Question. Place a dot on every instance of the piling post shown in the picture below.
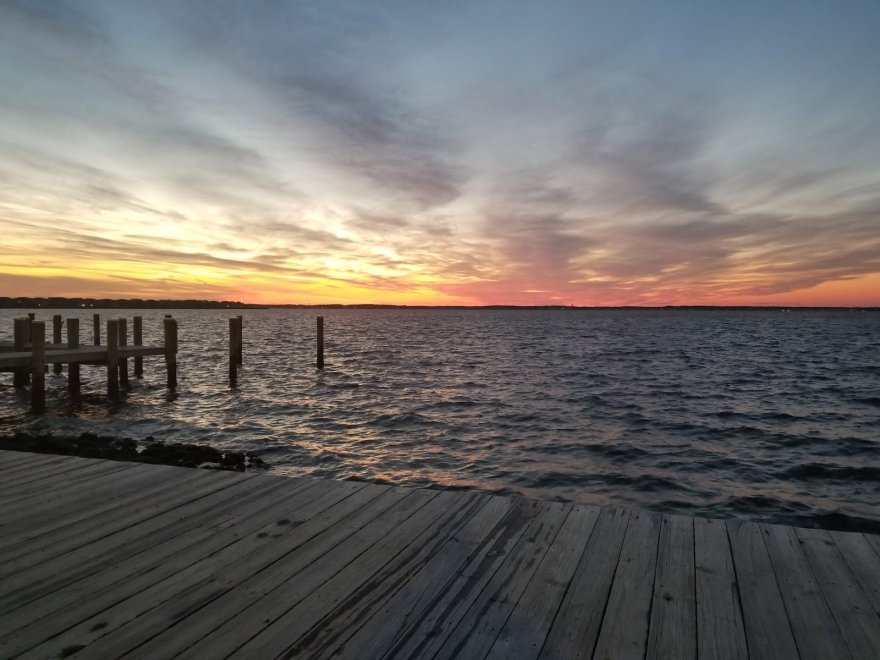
(38, 366)
(113, 359)
(96, 329)
(239, 355)
(73, 367)
(27, 327)
(20, 377)
(123, 361)
(170, 328)
(56, 339)
(138, 331)
(320, 342)
(234, 338)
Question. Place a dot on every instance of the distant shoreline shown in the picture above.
(138, 303)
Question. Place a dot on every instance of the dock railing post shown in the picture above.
(27, 327)
(320, 361)
(123, 361)
(21, 376)
(73, 367)
(170, 328)
(113, 360)
(96, 329)
(38, 366)
(138, 331)
(234, 338)
(56, 339)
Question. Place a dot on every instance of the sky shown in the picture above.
(493, 152)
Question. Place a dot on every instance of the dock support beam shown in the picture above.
(170, 328)
(113, 360)
(73, 367)
(96, 329)
(123, 362)
(138, 331)
(56, 339)
(234, 348)
(38, 366)
(20, 377)
(320, 361)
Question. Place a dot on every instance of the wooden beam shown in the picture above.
(320, 360)
(73, 381)
(170, 328)
(123, 361)
(56, 339)
(38, 366)
(138, 341)
(113, 360)
(21, 378)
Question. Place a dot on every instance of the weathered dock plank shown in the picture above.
(103, 560)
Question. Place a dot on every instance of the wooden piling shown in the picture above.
(170, 328)
(113, 360)
(38, 366)
(320, 342)
(73, 367)
(56, 339)
(27, 327)
(234, 339)
(20, 377)
(239, 356)
(123, 361)
(138, 331)
(96, 329)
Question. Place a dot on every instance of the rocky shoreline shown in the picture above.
(149, 450)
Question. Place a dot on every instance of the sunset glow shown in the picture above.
(586, 154)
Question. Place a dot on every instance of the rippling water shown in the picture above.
(768, 415)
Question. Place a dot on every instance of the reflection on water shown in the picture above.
(764, 414)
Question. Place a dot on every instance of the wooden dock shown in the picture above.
(104, 559)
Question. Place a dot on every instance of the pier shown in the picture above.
(29, 354)
(102, 559)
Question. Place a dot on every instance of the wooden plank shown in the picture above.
(236, 570)
(768, 632)
(19, 474)
(425, 635)
(130, 492)
(477, 631)
(576, 627)
(363, 581)
(415, 576)
(144, 485)
(411, 516)
(55, 613)
(46, 499)
(29, 576)
(10, 459)
(720, 631)
(241, 612)
(816, 633)
(36, 499)
(32, 478)
(526, 628)
(673, 628)
(858, 622)
(863, 562)
(207, 598)
(373, 633)
(624, 630)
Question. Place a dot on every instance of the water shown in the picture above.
(773, 416)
